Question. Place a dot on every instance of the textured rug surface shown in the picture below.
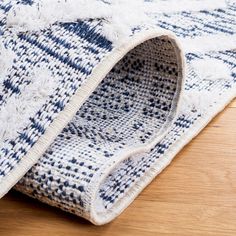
(97, 97)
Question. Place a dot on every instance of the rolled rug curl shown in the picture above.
(109, 103)
(137, 92)
(88, 102)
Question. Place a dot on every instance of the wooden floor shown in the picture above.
(195, 195)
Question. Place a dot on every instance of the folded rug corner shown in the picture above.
(94, 104)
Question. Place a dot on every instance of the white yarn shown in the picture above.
(120, 16)
(15, 114)
(205, 69)
(163, 6)
(211, 69)
(125, 15)
(6, 59)
(2, 14)
(46, 12)
(196, 101)
(217, 42)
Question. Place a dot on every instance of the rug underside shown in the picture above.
(92, 111)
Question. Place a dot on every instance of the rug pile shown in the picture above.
(97, 97)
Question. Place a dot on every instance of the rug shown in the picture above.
(98, 96)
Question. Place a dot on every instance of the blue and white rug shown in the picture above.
(98, 96)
